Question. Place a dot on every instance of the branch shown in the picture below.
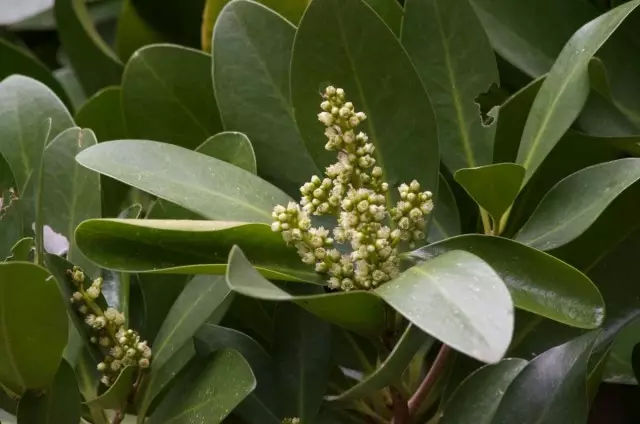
(429, 380)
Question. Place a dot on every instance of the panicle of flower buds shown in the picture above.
(121, 347)
(354, 190)
(291, 421)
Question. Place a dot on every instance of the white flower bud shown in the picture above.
(83, 309)
(276, 227)
(104, 341)
(90, 320)
(321, 267)
(99, 323)
(325, 105)
(363, 205)
(361, 116)
(102, 366)
(110, 314)
(120, 319)
(326, 118)
(93, 292)
(340, 92)
(115, 365)
(354, 121)
(414, 186)
(143, 363)
(330, 91)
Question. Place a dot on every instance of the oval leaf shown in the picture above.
(231, 147)
(202, 184)
(103, 114)
(446, 217)
(458, 299)
(575, 203)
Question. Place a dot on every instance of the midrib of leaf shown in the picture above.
(7, 342)
(74, 198)
(464, 134)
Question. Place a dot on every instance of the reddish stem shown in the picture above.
(429, 380)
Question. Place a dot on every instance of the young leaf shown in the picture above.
(565, 89)
(575, 203)
(493, 187)
(251, 55)
(208, 186)
(116, 395)
(59, 403)
(95, 64)
(538, 282)
(188, 247)
(133, 32)
(210, 388)
(446, 217)
(159, 103)
(359, 311)
(30, 362)
(301, 353)
(231, 147)
(22, 250)
(453, 56)
(346, 44)
(458, 299)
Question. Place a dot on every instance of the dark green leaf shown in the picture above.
(453, 56)
(187, 247)
(493, 187)
(11, 222)
(391, 369)
(159, 103)
(133, 32)
(446, 218)
(103, 114)
(565, 89)
(93, 61)
(301, 354)
(231, 147)
(538, 282)
(209, 389)
(59, 403)
(22, 251)
(178, 21)
(360, 311)
(344, 43)
(208, 186)
(30, 362)
(251, 56)
(390, 12)
(477, 398)
(458, 299)
(635, 359)
(116, 395)
(24, 106)
(576, 202)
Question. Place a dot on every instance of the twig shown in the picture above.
(117, 419)
(400, 407)
(427, 384)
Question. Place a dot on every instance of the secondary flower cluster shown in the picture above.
(355, 191)
(122, 346)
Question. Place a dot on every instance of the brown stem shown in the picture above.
(429, 380)
(117, 419)
(400, 407)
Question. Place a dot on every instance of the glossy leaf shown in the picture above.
(576, 202)
(25, 104)
(22, 250)
(361, 55)
(231, 147)
(453, 56)
(538, 282)
(187, 247)
(251, 55)
(302, 345)
(390, 11)
(208, 186)
(479, 395)
(458, 299)
(209, 388)
(360, 311)
(446, 217)
(493, 187)
(116, 395)
(565, 89)
(30, 362)
(59, 403)
(93, 61)
(159, 103)
(201, 297)
(15, 60)
(391, 369)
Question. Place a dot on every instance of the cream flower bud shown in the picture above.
(104, 341)
(143, 363)
(414, 186)
(325, 105)
(330, 91)
(101, 366)
(340, 92)
(326, 118)
(116, 365)
(83, 309)
(93, 292)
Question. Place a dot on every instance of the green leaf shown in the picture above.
(59, 403)
(391, 369)
(22, 250)
(251, 55)
(456, 66)
(116, 395)
(359, 311)
(262, 405)
(390, 11)
(30, 362)
(551, 388)
(635, 358)
(69, 81)
(302, 349)
(538, 282)
(479, 395)
(11, 223)
(24, 106)
(159, 103)
(93, 61)
(15, 60)
(201, 297)
(187, 247)
(209, 388)
(177, 21)
(103, 114)
(208, 186)
(575, 203)
(344, 43)
(133, 33)
(231, 147)
(565, 89)
(493, 187)
(446, 217)
(458, 299)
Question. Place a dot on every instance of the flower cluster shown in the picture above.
(355, 191)
(291, 421)
(122, 347)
